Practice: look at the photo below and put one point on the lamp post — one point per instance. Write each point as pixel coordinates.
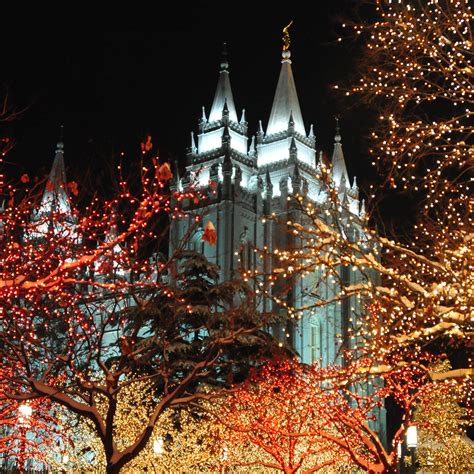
(158, 445)
(24, 414)
(65, 461)
(412, 442)
(158, 448)
(399, 457)
(406, 451)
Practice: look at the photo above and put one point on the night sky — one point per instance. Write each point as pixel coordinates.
(111, 82)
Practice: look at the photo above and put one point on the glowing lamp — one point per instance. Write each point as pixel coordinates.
(25, 410)
(158, 446)
(412, 436)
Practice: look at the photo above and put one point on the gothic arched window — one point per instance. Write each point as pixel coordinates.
(196, 243)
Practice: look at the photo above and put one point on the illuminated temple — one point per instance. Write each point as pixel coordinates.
(250, 178)
(256, 176)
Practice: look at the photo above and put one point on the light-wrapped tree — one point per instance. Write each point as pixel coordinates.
(180, 441)
(31, 435)
(442, 442)
(294, 418)
(416, 74)
(88, 310)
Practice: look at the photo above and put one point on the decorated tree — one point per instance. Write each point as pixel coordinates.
(180, 438)
(89, 307)
(442, 442)
(416, 73)
(419, 297)
(271, 423)
(295, 418)
(32, 436)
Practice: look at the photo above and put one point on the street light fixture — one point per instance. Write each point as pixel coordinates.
(412, 442)
(158, 445)
(24, 413)
(412, 436)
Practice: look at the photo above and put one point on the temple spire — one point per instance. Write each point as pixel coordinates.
(55, 196)
(226, 136)
(285, 101)
(291, 123)
(223, 92)
(55, 212)
(293, 148)
(252, 148)
(296, 178)
(176, 179)
(362, 211)
(339, 170)
(193, 146)
(225, 110)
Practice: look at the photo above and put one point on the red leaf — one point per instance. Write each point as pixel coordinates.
(210, 234)
(73, 188)
(164, 172)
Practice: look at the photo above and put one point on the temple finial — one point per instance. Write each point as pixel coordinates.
(193, 143)
(224, 59)
(286, 37)
(337, 137)
(60, 144)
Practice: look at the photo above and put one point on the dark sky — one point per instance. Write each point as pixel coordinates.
(111, 81)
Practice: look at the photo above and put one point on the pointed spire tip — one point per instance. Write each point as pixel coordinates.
(60, 143)
(337, 137)
(224, 60)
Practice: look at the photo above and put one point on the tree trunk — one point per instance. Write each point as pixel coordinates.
(112, 469)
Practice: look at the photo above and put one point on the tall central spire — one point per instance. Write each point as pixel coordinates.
(55, 214)
(223, 92)
(285, 102)
(55, 196)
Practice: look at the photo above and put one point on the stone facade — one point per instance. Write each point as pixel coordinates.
(253, 177)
